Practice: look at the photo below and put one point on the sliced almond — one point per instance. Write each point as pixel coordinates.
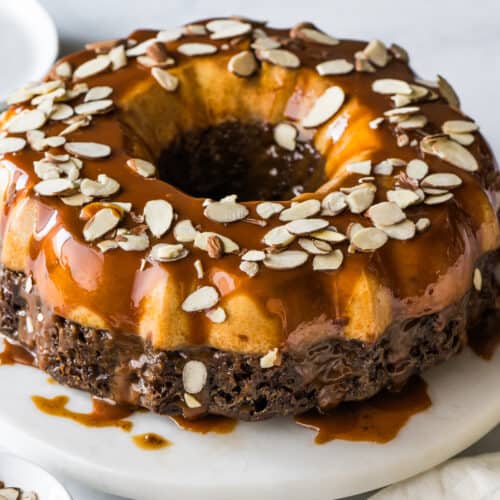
(142, 167)
(417, 169)
(104, 186)
(76, 200)
(360, 167)
(140, 48)
(13, 493)
(265, 42)
(306, 226)
(254, 256)
(375, 123)
(165, 79)
(330, 235)
(64, 70)
(389, 86)
(280, 57)
(267, 209)
(325, 107)
(330, 262)
(198, 266)
(243, 64)
(422, 224)
(235, 29)
(93, 67)
(169, 35)
(249, 268)
(26, 120)
(184, 231)
(88, 150)
(201, 299)
(413, 122)
(369, 239)
(201, 241)
(194, 30)
(98, 93)
(107, 245)
(442, 181)
(194, 376)
(289, 259)
(438, 199)
(334, 67)
(54, 187)
(315, 247)
(46, 170)
(197, 49)
(403, 198)
(300, 210)
(11, 144)
(463, 139)
(285, 136)
(448, 93)
(272, 358)
(313, 35)
(191, 401)
(360, 200)
(455, 154)
(94, 107)
(377, 53)
(333, 203)
(385, 213)
(102, 222)
(158, 215)
(278, 237)
(216, 315)
(167, 252)
(225, 212)
(459, 127)
(404, 230)
(362, 63)
(477, 280)
(118, 57)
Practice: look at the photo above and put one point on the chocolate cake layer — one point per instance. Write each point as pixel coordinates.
(310, 375)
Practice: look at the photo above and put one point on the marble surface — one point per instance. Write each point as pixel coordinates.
(457, 38)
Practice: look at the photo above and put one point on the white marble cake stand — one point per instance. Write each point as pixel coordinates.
(270, 460)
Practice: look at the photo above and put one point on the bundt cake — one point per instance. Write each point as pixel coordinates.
(231, 219)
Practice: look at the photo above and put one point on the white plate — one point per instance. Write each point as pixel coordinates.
(269, 460)
(18, 473)
(28, 43)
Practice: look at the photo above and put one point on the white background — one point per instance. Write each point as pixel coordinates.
(459, 39)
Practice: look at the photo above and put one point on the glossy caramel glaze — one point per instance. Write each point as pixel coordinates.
(103, 414)
(376, 420)
(15, 354)
(43, 238)
(150, 441)
(209, 424)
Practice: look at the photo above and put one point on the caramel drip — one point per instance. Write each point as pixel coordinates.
(151, 441)
(377, 420)
(103, 414)
(205, 425)
(16, 354)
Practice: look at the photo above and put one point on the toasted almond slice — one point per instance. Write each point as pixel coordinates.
(362, 63)
(334, 67)
(385, 213)
(459, 127)
(140, 48)
(477, 280)
(329, 262)
(98, 93)
(169, 35)
(285, 136)
(142, 167)
(11, 144)
(463, 139)
(46, 170)
(197, 49)
(389, 86)
(104, 186)
(306, 226)
(403, 198)
(278, 237)
(438, 199)
(64, 70)
(54, 187)
(13, 493)
(368, 239)
(270, 359)
(254, 256)
(422, 224)
(225, 212)
(167, 252)
(455, 154)
(76, 200)
(413, 122)
(94, 107)
(216, 315)
(280, 57)
(375, 123)
(325, 107)
(194, 30)
(289, 259)
(442, 180)
(201, 241)
(333, 203)
(405, 110)
(221, 24)
(265, 42)
(404, 230)
(165, 79)
(377, 53)
(433, 191)
(88, 150)
(201, 299)
(118, 57)
(301, 210)
(448, 93)
(417, 169)
(55, 141)
(191, 401)
(249, 268)
(184, 231)
(92, 67)
(267, 209)
(315, 247)
(26, 120)
(107, 245)
(198, 266)
(360, 199)
(135, 243)
(158, 215)
(102, 222)
(236, 29)
(243, 64)
(19, 96)
(61, 112)
(360, 167)
(316, 36)
(194, 376)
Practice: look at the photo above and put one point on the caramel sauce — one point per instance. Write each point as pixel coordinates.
(377, 420)
(150, 441)
(51, 381)
(103, 414)
(211, 423)
(15, 354)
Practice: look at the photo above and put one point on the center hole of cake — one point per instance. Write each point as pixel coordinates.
(241, 159)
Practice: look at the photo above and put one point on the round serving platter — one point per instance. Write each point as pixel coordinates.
(268, 460)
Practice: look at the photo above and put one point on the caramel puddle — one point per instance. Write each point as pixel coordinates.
(150, 441)
(377, 420)
(15, 354)
(211, 423)
(103, 414)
